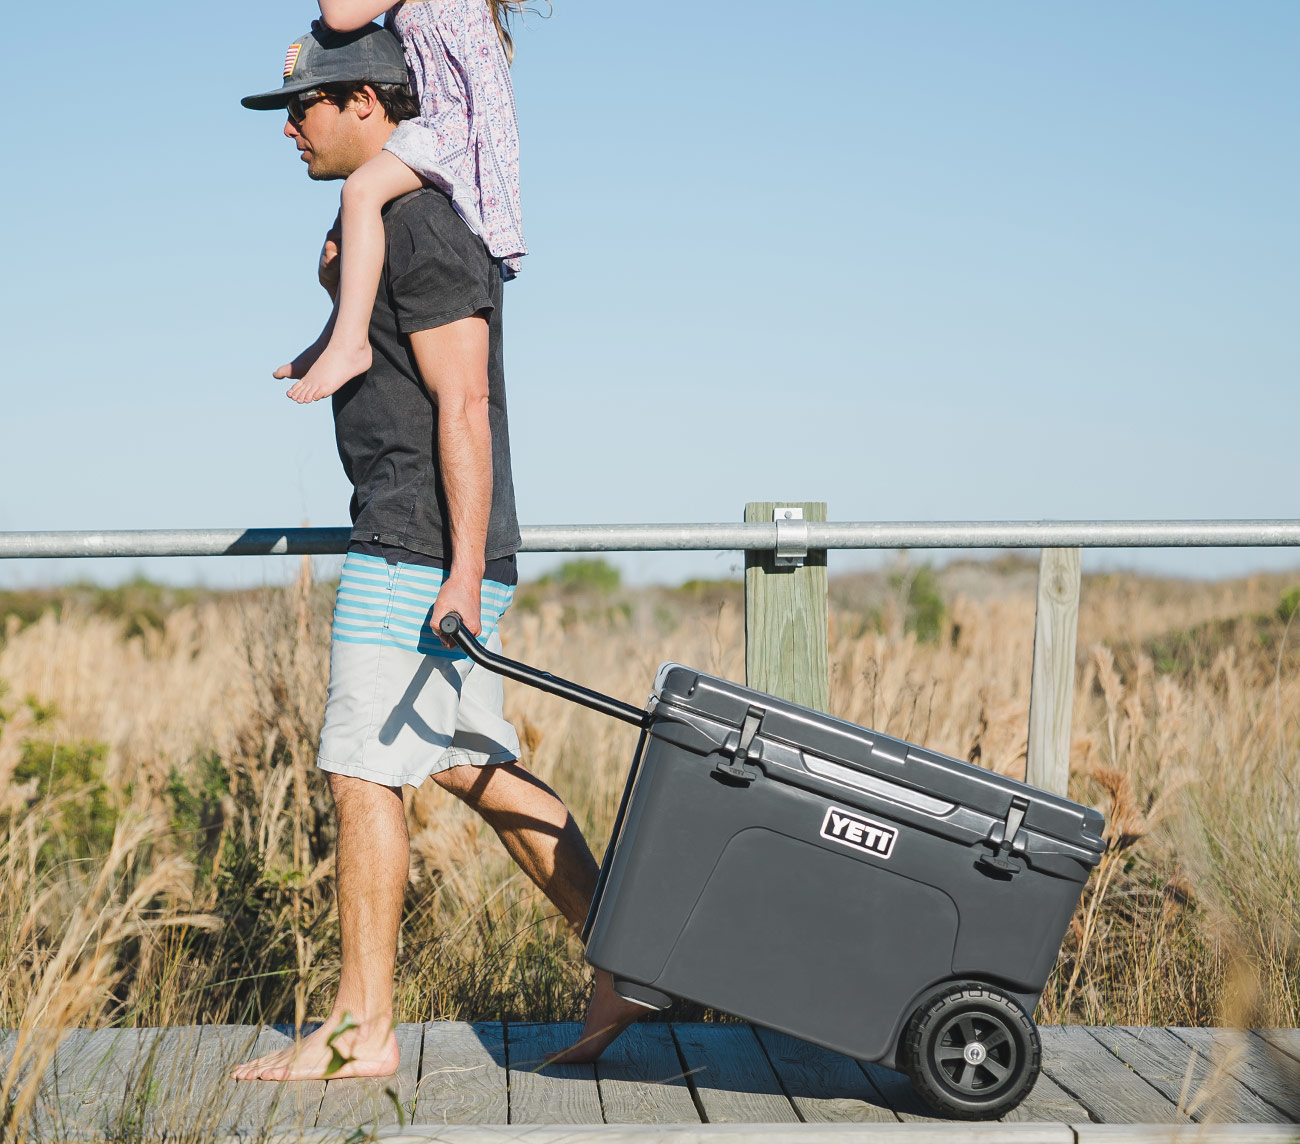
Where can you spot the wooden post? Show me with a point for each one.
(785, 617)
(1051, 691)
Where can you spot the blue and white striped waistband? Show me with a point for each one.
(392, 604)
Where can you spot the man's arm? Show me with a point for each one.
(453, 364)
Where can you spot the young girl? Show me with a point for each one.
(465, 143)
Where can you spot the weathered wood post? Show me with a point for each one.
(1051, 690)
(785, 607)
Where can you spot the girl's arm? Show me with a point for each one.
(349, 15)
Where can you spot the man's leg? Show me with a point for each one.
(372, 866)
(541, 836)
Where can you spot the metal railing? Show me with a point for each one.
(771, 616)
(685, 537)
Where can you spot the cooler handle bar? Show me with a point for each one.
(451, 625)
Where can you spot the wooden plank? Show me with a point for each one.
(204, 1101)
(897, 1092)
(246, 1107)
(731, 1076)
(549, 1094)
(1185, 1134)
(1288, 1040)
(8, 1047)
(642, 1080)
(376, 1102)
(1051, 690)
(785, 617)
(1260, 1067)
(123, 1082)
(1110, 1090)
(1047, 1102)
(163, 1073)
(55, 1104)
(1186, 1077)
(944, 1133)
(824, 1087)
(93, 1075)
(462, 1074)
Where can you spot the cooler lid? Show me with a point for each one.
(930, 774)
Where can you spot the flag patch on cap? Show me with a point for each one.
(291, 59)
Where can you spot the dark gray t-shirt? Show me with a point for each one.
(436, 271)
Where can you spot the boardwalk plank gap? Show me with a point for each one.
(463, 1074)
(366, 1102)
(824, 1087)
(1288, 1040)
(550, 1094)
(777, 1072)
(897, 1092)
(642, 1080)
(735, 1082)
(689, 1075)
(1196, 1085)
(1266, 1071)
(1126, 1085)
(1048, 1103)
(1109, 1089)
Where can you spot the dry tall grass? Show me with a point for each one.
(165, 855)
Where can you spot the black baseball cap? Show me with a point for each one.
(371, 54)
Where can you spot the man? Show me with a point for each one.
(424, 441)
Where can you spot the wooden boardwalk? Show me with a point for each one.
(155, 1083)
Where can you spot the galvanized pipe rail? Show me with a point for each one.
(684, 537)
(785, 580)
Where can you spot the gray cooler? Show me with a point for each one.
(835, 884)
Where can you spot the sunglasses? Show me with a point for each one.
(300, 101)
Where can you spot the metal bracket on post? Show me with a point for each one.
(791, 537)
(785, 604)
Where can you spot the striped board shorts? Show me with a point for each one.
(401, 706)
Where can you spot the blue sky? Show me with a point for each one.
(920, 260)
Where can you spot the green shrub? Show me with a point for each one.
(587, 574)
(925, 606)
(27, 607)
(195, 799)
(84, 810)
(1289, 604)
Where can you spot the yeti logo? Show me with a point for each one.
(851, 829)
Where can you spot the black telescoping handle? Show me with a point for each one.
(452, 625)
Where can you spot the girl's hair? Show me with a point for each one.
(502, 13)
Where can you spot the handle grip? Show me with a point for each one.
(453, 626)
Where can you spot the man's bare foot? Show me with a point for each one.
(335, 367)
(607, 1016)
(367, 1050)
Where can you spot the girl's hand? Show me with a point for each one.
(328, 270)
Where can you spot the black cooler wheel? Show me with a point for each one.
(971, 1052)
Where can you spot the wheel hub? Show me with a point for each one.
(975, 1055)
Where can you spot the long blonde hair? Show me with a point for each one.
(503, 11)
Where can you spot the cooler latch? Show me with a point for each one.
(1002, 838)
(736, 748)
